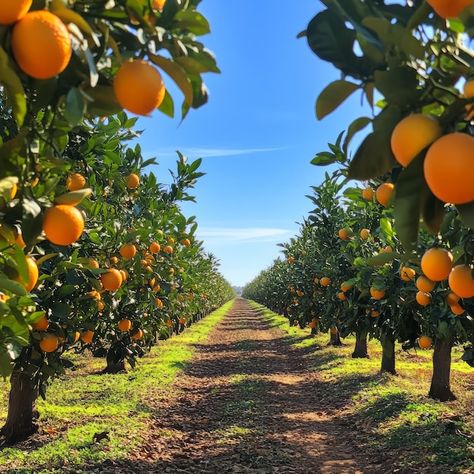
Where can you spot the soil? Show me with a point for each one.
(248, 402)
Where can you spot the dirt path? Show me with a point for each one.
(248, 402)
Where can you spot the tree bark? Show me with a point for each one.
(115, 363)
(314, 331)
(440, 382)
(22, 413)
(335, 338)
(360, 349)
(388, 355)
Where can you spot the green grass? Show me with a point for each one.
(392, 414)
(84, 403)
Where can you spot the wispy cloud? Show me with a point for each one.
(242, 235)
(210, 152)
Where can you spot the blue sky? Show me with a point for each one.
(257, 134)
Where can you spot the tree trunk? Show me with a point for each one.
(335, 338)
(115, 361)
(360, 349)
(440, 383)
(314, 331)
(22, 414)
(388, 355)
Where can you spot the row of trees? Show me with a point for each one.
(392, 260)
(94, 252)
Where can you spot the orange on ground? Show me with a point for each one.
(168, 249)
(139, 87)
(124, 325)
(13, 10)
(128, 251)
(42, 324)
(33, 274)
(461, 281)
(63, 224)
(425, 342)
(155, 247)
(437, 263)
(41, 44)
(423, 299)
(449, 168)
(49, 343)
(377, 294)
(384, 193)
(425, 284)
(75, 182)
(133, 181)
(325, 281)
(364, 234)
(111, 280)
(457, 309)
(368, 194)
(407, 273)
(87, 336)
(412, 135)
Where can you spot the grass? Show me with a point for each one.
(84, 404)
(391, 415)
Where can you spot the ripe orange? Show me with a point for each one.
(407, 273)
(386, 249)
(75, 182)
(133, 181)
(346, 286)
(425, 284)
(342, 296)
(344, 233)
(313, 324)
(384, 193)
(111, 280)
(100, 306)
(374, 313)
(139, 87)
(186, 242)
(468, 91)
(41, 44)
(155, 247)
(159, 4)
(156, 288)
(182, 321)
(368, 194)
(158, 303)
(76, 335)
(63, 224)
(364, 234)
(124, 275)
(449, 168)
(325, 281)
(42, 324)
(128, 251)
(19, 240)
(124, 325)
(94, 294)
(412, 135)
(449, 8)
(87, 336)
(452, 299)
(33, 274)
(461, 281)
(168, 249)
(137, 335)
(425, 342)
(423, 299)
(169, 323)
(49, 343)
(92, 263)
(114, 260)
(457, 309)
(437, 263)
(13, 10)
(377, 294)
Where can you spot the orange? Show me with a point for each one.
(19, 240)
(137, 335)
(407, 273)
(384, 193)
(313, 324)
(344, 234)
(468, 91)
(33, 274)
(87, 336)
(92, 263)
(158, 303)
(49, 343)
(100, 306)
(423, 299)
(412, 135)
(114, 260)
(452, 299)
(449, 8)
(42, 324)
(457, 309)
(169, 323)
(124, 275)
(76, 335)
(425, 342)
(139, 87)
(168, 249)
(133, 181)
(159, 4)
(111, 280)
(386, 249)
(449, 168)
(364, 234)
(186, 242)
(41, 44)
(94, 294)
(128, 251)
(182, 321)
(75, 182)
(368, 194)
(377, 294)
(299, 293)
(124, 325)
(437, 263)
(13, 10)
(342, 296)
(155, 247)
(461, 281)
(346, 286)
(374, 313)
(425, 284)
(156, 288)
(291, 260)
(325, 281)
(63, 224)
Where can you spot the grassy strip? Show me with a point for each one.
(391, 415)
(84, 404)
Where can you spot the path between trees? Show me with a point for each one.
(248, 402)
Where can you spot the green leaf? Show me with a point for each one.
(333, 96)
(382, 259)
(102, 101)
(356, 126)
(466, 212)
(192, 21)
(398, 85)
(12, 286)
(75, 106)
(167, 106)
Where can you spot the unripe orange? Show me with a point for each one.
(384, 193)
(437, 263)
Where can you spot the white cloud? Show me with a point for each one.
(210, 152)
(243, 235)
